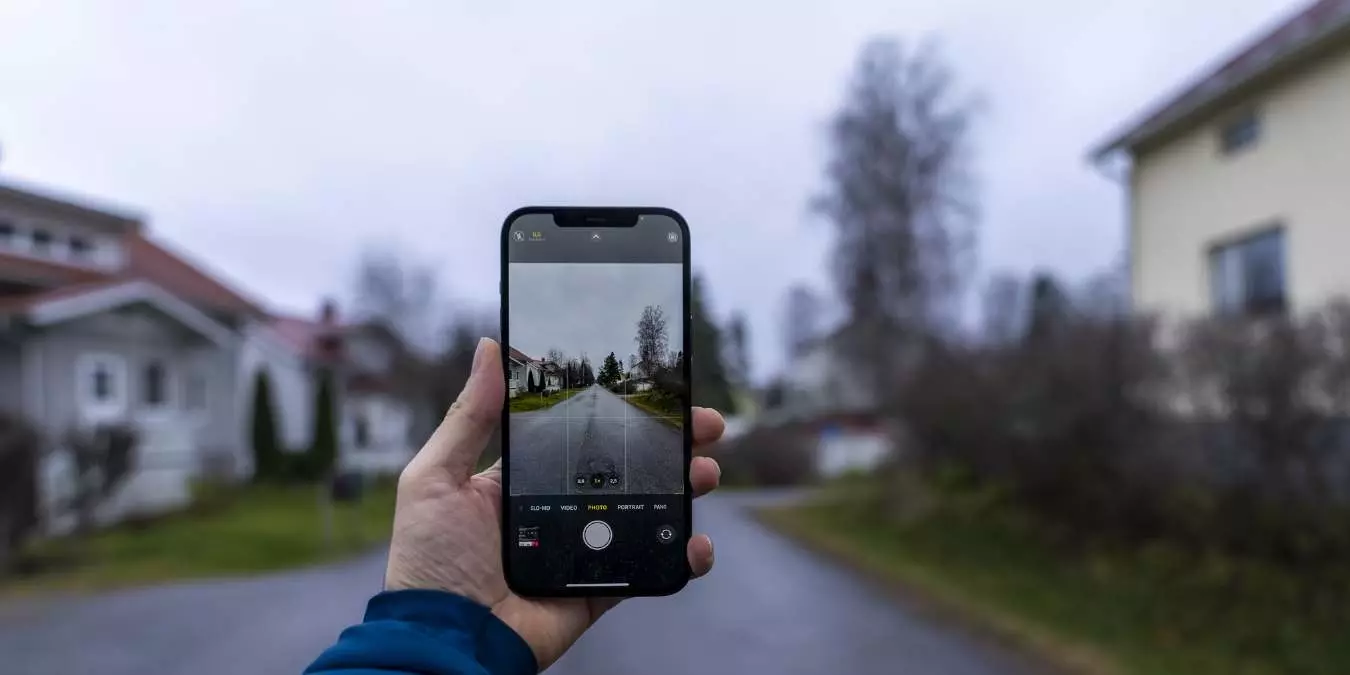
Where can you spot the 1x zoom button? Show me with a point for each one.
(597, 535)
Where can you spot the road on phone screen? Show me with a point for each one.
(595, 442)
(769, 606)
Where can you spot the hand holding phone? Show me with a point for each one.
(597, 426)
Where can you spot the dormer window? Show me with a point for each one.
(42, 242)
(80, 248)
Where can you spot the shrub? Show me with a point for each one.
(1234, 439)
(769, 456)
(20, 446)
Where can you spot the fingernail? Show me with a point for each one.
(480, 354)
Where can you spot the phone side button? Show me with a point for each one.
(597, 535)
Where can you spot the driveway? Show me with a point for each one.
(769, 607)
(594, 442)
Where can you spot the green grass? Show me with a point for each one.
(664, 408)
(257, 529)
(1142, 611)
(528, 402)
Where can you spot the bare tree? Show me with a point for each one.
(900, 198)
(801, 324)
(652, 337)
(398, 292)
(556, 355)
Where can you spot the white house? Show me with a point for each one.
(99, 323)
(1236, 184)
(522, 371)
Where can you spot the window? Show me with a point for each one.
(154, 391)
(1248, 276)
(6, 233)
(1240, 132)
(101, 388)
(194, 392)
(79, 248)
(361, 432)
(101, 382)
(42, 241)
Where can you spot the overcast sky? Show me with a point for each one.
(590, 309)
(273, 140)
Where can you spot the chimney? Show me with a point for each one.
(328, 312)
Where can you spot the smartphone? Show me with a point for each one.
(596, 435)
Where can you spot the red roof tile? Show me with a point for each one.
(1252, 60)
(42, 271)
(172, 272)
(17, 303)
(518, 355)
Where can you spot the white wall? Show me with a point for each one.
(389, 425)
(1187, 195)
(292, 387)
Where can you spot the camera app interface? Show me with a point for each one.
(595, 340)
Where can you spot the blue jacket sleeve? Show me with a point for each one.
(426, 633)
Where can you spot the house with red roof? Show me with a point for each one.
(1236, 182)
(100, 323)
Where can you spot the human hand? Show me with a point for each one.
(447, 532)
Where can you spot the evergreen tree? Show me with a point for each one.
(711, 387)
(266, 446)
(324, 447)
(610, 372)
(532, 386)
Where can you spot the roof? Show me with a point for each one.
(21, 303)
(151, 261)
(518, 355)
(304, 336)
(64, 304)
(46, 272)
(1286, 43)
(43, 198)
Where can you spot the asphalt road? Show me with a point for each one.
(768, 607)
(595, 435)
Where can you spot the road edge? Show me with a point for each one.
(1039, 649)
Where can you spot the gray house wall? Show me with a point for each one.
(11, 376)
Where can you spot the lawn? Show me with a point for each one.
(1149, 611)
(252, 530)
(528, 402)
(665, 408)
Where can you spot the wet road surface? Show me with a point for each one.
(594, 442)
(768, 607)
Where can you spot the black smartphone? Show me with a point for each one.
(596, 429)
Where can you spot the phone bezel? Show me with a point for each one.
(597, 217)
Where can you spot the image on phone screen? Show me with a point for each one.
(596, 449)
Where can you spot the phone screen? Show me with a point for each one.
(596, 438)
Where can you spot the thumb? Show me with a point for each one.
(458, 442)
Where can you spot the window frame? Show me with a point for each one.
(1245, 303)
(80, 247)
(86, 368)
(42, 241)
(166, 398)
(1240, 131)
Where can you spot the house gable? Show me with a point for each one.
(66, 305)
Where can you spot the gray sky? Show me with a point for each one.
(250, 131)
(591, 308)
